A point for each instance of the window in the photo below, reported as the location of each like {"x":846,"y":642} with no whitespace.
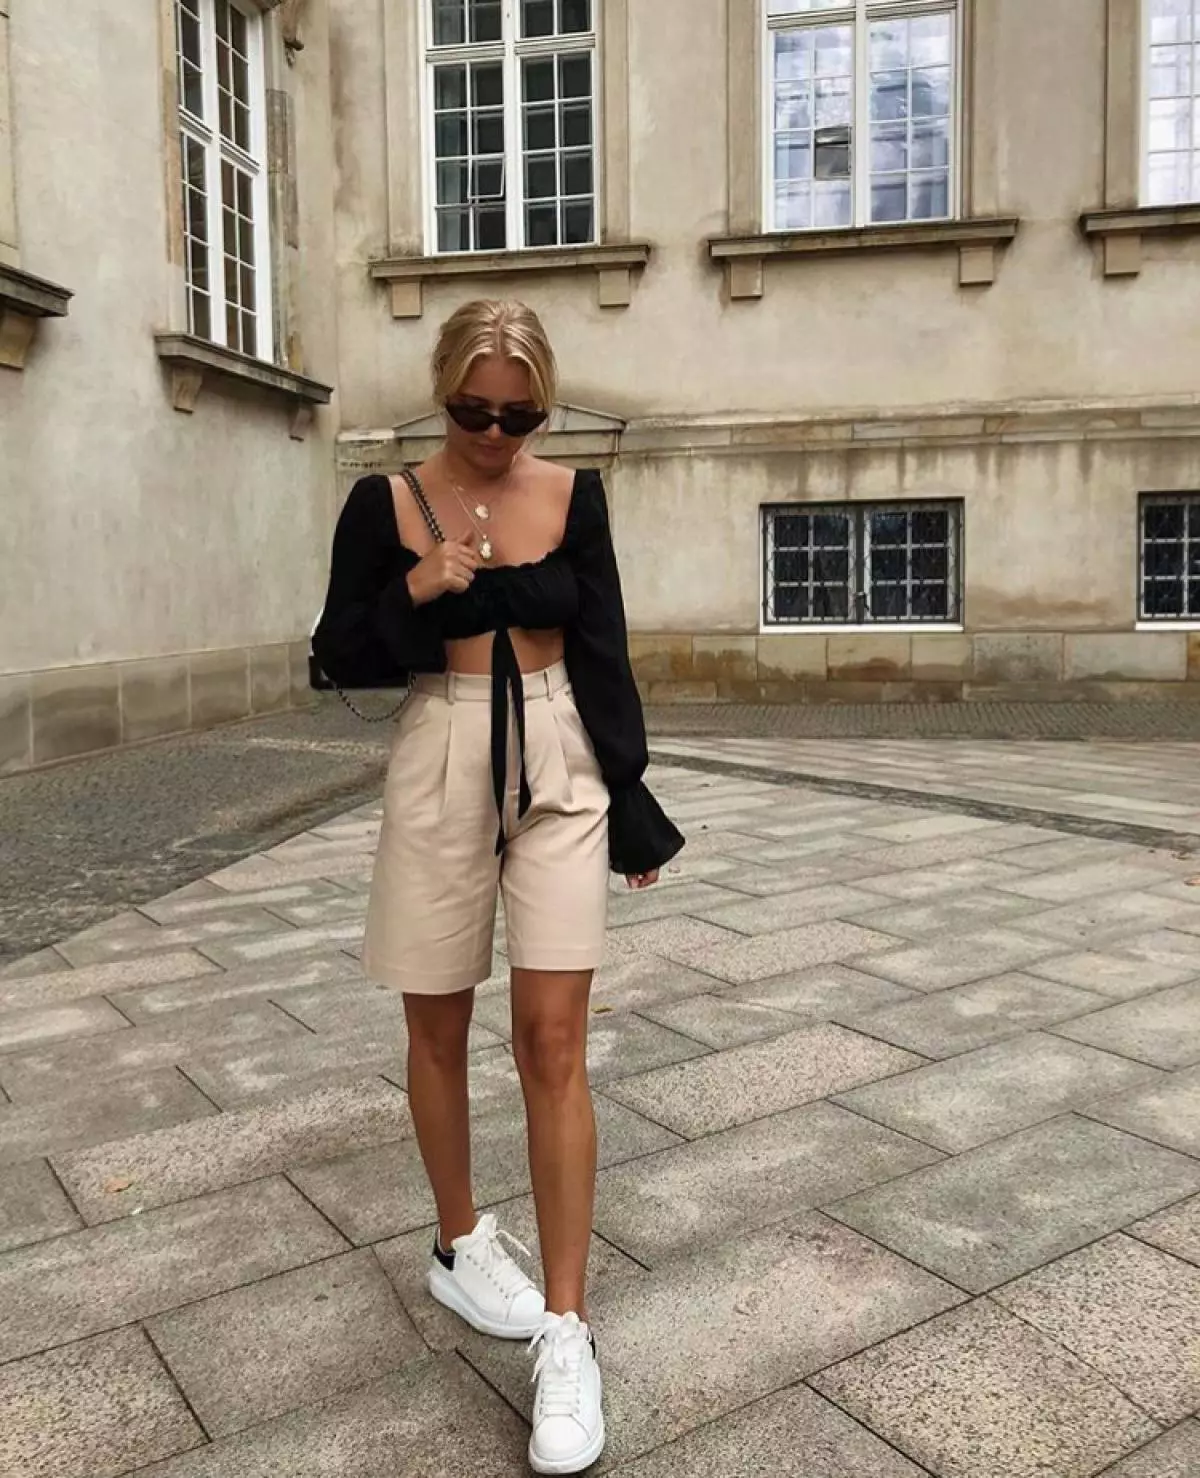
{"x":862,"y":564}
{"x":1171,"y":118}
{"x":512,"y":123}
{"x":222,"y":98}
{"x":1170,"y":560}
{"x":861,"y":112}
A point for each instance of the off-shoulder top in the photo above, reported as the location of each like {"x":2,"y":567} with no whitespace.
{"x":370,"y":634}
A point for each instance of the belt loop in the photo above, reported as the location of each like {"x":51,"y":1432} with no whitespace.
{"x":450,"y":680}
{"x":549,"y":684}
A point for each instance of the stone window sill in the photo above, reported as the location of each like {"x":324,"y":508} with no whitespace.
{"x":861,"y":628}
{"x":976,"y":241}
{"x":24,"y":300}
{"x":613,"y":265}
{"x":1120,"y":232}
{"x":195,"y":363}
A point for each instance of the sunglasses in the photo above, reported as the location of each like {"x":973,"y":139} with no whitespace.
{"x":513,"y":420}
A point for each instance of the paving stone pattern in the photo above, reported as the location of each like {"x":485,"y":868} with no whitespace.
{"x":899,"y":1116}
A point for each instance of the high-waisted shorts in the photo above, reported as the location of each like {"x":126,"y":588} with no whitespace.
{"x":432,"y":909}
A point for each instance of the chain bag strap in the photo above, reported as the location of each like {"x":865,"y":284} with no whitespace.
{"x":435,"y":528}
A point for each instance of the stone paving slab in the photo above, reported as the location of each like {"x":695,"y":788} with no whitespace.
{"x":33,"y":1206}
{"x":92,"y":1280}
{"x":433,"y":1419}
{"x":966,"y":1017}
{"x":1086,"y":882}
{"x":94,"y":1112}
{"x":147,"y":1003}
{"x":1130,"y":1311}
{"x":60,"y":984}
{"x":169,"y":1165}
{"x":745,"y":1178}
{"x":960,"y":913}
{"x":41,"y":1026}
{"x":1175,"y":1230}
{"x":141,"y":937}
{"x":33,"y":1075}
{"x":1167,"y":1111}
{"x":718,"y":1022}
{"x":993,"y":1091}
{"x":984,"y":1217}
{"x":383,"y":1192}
{"x":1162,"y":1029}
{"x":828,"y":992}
{"x":1176,"y":1454}
{"x":255,"y":1353}
{"x":958,"y":959}
{"x":787,"y":910}
{"x":778,"y":1304}
{"x":716,"y":1092}
{"x":100,"y":1407}
{"x":1118,"y":976}
{"x":202,"y":899}
{"x":977,"y":1392}
{"x":1105,"y":919}
{"x":796,"y":1434}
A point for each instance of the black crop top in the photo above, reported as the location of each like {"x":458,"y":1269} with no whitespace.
{"x":372,"y":635}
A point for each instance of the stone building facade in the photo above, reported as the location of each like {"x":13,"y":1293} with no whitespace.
{"x":879,"y":315}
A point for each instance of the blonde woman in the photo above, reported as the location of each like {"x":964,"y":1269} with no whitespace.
{"x":489,"y":575}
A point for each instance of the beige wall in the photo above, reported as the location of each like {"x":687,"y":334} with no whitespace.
{"x":130,"y":530}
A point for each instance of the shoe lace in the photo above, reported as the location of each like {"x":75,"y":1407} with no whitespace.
{"x":494,"y":1261}
{"x":560,"y":1367}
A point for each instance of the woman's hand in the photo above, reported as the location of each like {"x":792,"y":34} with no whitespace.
{"x":638,"y":880}
{"x":449,"y":567}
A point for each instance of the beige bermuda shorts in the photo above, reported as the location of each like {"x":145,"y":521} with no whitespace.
{"x":432,"y":908}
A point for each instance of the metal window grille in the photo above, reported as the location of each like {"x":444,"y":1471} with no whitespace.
{"x":222,"y":118}
{"x":1169,"y":564}
{"x":861,"y":564}
{"x":1171,"y":102}
{"x":862,"y":112}
{"x":512,"y":88}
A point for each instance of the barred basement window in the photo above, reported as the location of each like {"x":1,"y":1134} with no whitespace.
{"x":860,"y":564}
{"x":1169,"y":583}
{"x":223,"y":137}
{"x":511,"y":123}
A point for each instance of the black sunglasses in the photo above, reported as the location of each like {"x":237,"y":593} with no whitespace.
{"x":513,"y":420}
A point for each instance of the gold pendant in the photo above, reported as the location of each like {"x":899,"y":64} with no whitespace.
{"x":483,"y":512}
{"x":485,"y":549}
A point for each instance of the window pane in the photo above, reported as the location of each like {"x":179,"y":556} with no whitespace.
{"x":541,"y":225}
{"x":799,"y":7}
{"x":449,"y":23}
{"x":200,"y":307}
{"x":793,"y":207}
{"x":929,"y":199}
{"x":576,"y":16}
{"x":889,"y":148}
{"x":793,"y":106}
{"x":931,"y":146}
{"x":485,"y":20}
{"x":490,"y":228}
{"x":1170,"y":179}
{"x":931,"y":93}
{"x":537,"y":18}
{"x":1170,"y":20}
{"x":541,"y":179}
{"x":889,"y":95}
{"x":449,"y":88}
{"x":889,"y":200}
{"x":538,"y":81}
{"x":450,"y":135}
{"x":930,"y":40}
{"x":576,"y":123}
{"x":454,"y":232}
{"x":487,"y":85}
{"x":1170,"y":71}
{"x":579,"y":225}
{"x":577,"y":174}
{"x":488,"y":180}
{"x":452,"y":183}
{"x":539,"y":128}
{"x":832,"y":102}
{"x":830,"y":529}
{"x":831,"y":153}
{"x":489,"y":133}
{"x":794,"y":159}
{"x":831,"y":204}
{"x":575,"y":76}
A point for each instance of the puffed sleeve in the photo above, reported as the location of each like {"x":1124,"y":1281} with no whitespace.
{"x":640,"y":836}
{"x":370,"y":634}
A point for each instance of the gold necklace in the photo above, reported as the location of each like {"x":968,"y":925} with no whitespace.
{"x":480,"y":514}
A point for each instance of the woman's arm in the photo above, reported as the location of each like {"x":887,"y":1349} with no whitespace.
{"x":641,"y":838}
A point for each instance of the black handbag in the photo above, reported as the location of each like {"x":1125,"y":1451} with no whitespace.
{"x":320,"y":682}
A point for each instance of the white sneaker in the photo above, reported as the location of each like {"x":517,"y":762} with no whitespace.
{"x":568,"y":1422}
{"x":482,"y":1284}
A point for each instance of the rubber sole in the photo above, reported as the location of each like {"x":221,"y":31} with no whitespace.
{"x":451,"y":1297}
{"x":574,"y":1465}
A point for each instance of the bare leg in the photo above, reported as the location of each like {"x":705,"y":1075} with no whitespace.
{"x":440,"y":1104}
{"x":550,"y":1023}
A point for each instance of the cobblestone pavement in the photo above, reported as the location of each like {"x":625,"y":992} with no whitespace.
{"x":899,"y":1113}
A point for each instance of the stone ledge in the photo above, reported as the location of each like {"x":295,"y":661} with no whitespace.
{"x":1120,"y":232}
{"x":196,"y":363}
{"x":976,"y":241}
{"x":613,"y":264}
{"x":24,"y":300}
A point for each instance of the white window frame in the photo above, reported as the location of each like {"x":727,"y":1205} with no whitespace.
{"x":859,"y":13}
{"x":510,"y":50}
{"x":217,"y":149}
{"x":1193,"y":196}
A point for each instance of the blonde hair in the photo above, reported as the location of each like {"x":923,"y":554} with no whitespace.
{"x":488,"y":326}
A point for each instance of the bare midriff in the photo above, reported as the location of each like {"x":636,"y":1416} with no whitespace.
{"x":535,"y":650}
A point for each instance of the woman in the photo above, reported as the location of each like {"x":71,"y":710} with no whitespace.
{"x":517,"y":767}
